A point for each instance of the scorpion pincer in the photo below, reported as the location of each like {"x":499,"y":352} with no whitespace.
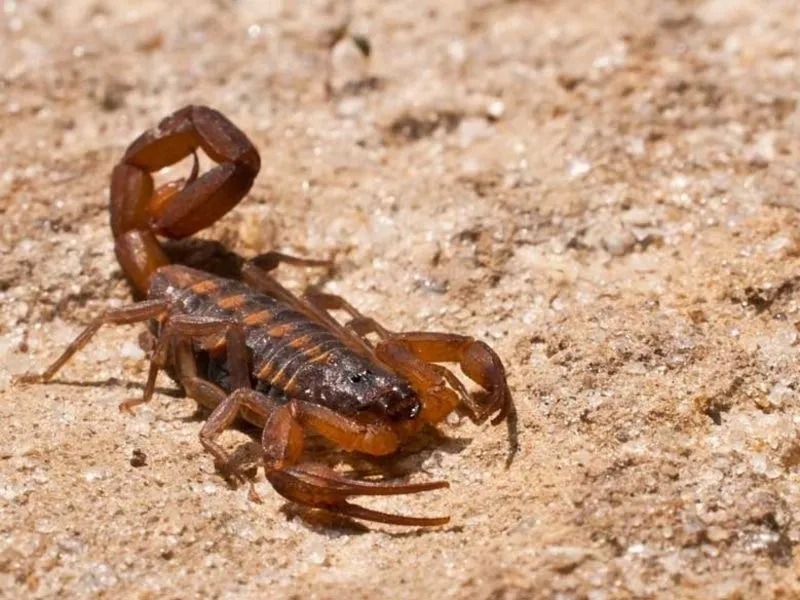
{"x":250,"y":348}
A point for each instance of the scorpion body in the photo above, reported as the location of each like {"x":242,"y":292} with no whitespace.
{"x":250,"y":348}
{"x":290,"y":354}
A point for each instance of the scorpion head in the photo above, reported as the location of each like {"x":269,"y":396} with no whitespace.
{"x":356,"y":385}
{"x":396,"y":400}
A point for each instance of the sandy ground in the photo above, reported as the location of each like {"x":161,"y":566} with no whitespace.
{"x":606,"y":192}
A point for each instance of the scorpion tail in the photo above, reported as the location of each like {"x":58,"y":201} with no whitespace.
{"x":180,"y":208}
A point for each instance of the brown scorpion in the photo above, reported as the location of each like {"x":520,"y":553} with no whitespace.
{"x":250,"y":348}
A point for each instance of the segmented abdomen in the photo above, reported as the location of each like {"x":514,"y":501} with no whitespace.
{"x":288,"y":350}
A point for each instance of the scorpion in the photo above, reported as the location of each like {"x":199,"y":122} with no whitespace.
{"x":249,"y":348}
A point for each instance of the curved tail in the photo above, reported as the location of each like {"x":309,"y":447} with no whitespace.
{"x":180,"y":208}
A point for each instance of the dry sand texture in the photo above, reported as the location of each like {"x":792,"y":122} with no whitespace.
{"x":606,"y":192}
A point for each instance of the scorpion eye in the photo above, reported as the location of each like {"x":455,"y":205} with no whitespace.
{"x":359,"y":377}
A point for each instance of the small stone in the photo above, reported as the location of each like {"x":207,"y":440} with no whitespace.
{"x":113,"y":95}
{"x":679,"y":183}
{"x":457,"y":50}
{"x":472,"y":129}
{"x":716,"y":534}
{"x":565,"y":559}
{"x":579,"y":167}
{"x":670,"y":471}
{"x":142,"y":425}
{"x":672,"y":563}
{"x":470,"y":167}
{"x":138,"y":458}
{"x":758,"y":462}
{"x":640,"y":217}
{"x":569,"y":81}
{"x":723,"y":12}
{"x":512,"y":180}
{"x":317,"y":554}
{"x":777,"y":243}
{"x":351,"y":107}
{"x":71,"y":546}
{"x":636,"y":147}
{"x":763,"y":403}
{"x":495,"y":110}
{"x":619,"y":241}
{"x":131,"y":350}
{"x":637,"y":549}
{"x":349,"y":63}
{"x":19,"y":310}
{"x":780,"y":395}
{"x":762,"y":152}
{"x":96,"y":474}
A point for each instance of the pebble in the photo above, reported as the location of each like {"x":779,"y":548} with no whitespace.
{"x":472,"y":129}
{"x":780,"y":394}
{"x":762,"y":152}
{"x":619,"y":241}
{"x":496,"y":109}
{"x":777,"y":243}
{"x":351,"y":107}
{"x":131,"y":350}
{"x":640,"y":217}
{"x":457,"y":51}
{"x":564,"y":559}
{"x":579,"y":167}
{"x":96,"y":474}
{"x":717,"y":534}
{"x":348,"y":63}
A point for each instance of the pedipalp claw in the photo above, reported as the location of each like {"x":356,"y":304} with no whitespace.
{"x":320,"y":487}
{"x":368,"y":514}
{"x":345,"y":486}
{"x":481,"y":364}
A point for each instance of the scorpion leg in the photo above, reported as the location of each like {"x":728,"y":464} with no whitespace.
{"x":127,"y":315}
{"x":225,"y":408}
{"x":175,"y":328}
{"x":222,"y":417}
{"x":282,"y":439}
{"x":319,"y":486}
{"x":269,"y":261}
{"x":329,"y":302}
{"x":242,"y":396}
{"x":181,"y":330}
